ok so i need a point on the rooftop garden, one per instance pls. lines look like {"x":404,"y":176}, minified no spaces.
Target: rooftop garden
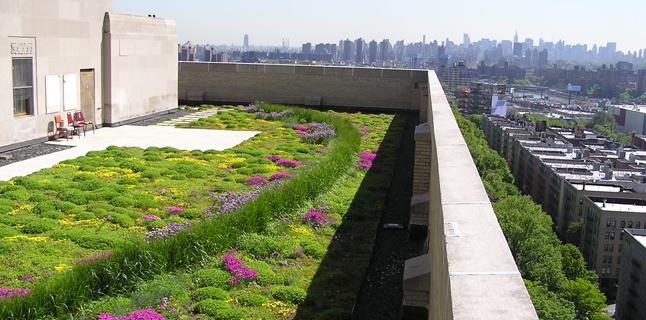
{"x":273,"y":228}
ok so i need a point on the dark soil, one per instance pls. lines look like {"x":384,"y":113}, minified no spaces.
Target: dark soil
{"x":381,"y":292}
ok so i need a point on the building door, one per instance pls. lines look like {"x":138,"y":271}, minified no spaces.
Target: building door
{"x":87,"y":94}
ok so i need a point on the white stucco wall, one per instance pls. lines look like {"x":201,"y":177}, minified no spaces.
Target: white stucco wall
{"x":141,"y":67}
{"x":65,"y":37}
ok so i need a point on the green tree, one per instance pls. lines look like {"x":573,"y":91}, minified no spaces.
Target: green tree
{"x":548,"y":305}
{"x":594,"y":91}
{"x":587,"y":298}
{"x":574,"y":265}
{"x":604,"y":119}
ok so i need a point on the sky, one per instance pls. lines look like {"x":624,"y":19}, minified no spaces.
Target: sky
{"x":268,"y":22}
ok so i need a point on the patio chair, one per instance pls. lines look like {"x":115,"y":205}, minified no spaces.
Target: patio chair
{"x":61,"y":128}
{"x":74,"y":126}
{"x":80,"y":119}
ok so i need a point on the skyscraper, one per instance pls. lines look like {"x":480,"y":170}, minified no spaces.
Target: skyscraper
{"x":359,"y":43}
{"x":516,"y":36}
{"x":384,"y":50}
{"x":372,"y":51}
{"x":347,"y":50}
{"x":245,"y":45}
{"x":466,"y":41}
{"x":307,"y":48}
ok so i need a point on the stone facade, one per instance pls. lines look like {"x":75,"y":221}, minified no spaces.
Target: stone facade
{"x":69,"y":61}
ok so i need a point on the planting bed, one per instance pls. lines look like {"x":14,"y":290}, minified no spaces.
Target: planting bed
{"x":128,"y":233}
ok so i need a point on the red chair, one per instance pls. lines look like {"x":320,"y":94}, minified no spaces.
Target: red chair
{"x":80,"y":119}
{"x":61,"y":128}
{"x":75,"y":126}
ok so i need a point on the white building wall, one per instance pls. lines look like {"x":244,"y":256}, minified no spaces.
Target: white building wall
{"x":64,"y":36}
{"x":141,"y":64}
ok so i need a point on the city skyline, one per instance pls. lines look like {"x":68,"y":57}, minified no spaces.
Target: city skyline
{"x":573,"y":22}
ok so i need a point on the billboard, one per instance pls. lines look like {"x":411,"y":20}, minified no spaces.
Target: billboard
{"x":573,"y":88}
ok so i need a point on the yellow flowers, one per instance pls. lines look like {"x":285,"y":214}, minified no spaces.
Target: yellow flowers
{"x":61,"y":267}
{"x":25,"y":207}
{"x":44,"y":181}
{"x":301,"y":230}
{"x":279,"y":308}
{"x":26,"y":238}
{"x":88,"y":222}
{"x":65,"y":165}
{"x":189,"y":159}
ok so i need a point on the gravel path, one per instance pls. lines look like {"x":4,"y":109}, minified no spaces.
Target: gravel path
{"x":381,"y":292}
{"x":31,"y":152}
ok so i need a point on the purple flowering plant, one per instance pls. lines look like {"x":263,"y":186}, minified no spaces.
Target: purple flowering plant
{"x":142,"y":314}
{"x":10,"y":293}
{"x":237,"y":268}
{"x":315,"y":217}
{"x":256,"y":181}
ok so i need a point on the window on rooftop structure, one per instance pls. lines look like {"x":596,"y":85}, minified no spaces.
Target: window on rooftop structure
{"x":630,"y":224}
{"x":614,"y":223}
{"x":607,"y":236}
{"x":621,"y":235}
{"x":608,"y":223}
{"x":612,"y":236}
{"x":23,"y":86}
{"x":637,"y":224}
{"x":623,"y":223}
{"x":605,"y":247}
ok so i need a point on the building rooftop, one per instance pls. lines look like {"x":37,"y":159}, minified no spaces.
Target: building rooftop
{"x":621,"y":207}
{"x":636,"y":108}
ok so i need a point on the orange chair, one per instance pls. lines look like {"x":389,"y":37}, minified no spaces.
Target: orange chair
{"x":75,"y":126}
{"x":61,"y":128}
{"x":80,"y":119}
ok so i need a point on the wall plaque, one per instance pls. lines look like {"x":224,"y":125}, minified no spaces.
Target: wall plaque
{"x":22,"y":49}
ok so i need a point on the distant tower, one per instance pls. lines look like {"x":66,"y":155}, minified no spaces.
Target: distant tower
{"x":245,"y":46}
{"x":466,"y":41}
{"x":424,"y":39}
{"x":516,"y":36}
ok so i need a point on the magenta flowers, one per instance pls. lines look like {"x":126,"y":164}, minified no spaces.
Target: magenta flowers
{"x":172,"y":210}
{"x":283,"y":162}
{"x":365,"y":159}
{"x":237,"y":269}
{"x":149,"y":217}
{"x":256,"y":181}
{"x":299,"y":127}
{"x":9,"y":293}
{"x":315,"y":217}
{"x":94,"y":257}
{"x":279,"y":176}
{"x":143,"y":314}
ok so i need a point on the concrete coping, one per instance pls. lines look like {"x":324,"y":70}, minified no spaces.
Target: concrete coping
{"x":423,"y":132}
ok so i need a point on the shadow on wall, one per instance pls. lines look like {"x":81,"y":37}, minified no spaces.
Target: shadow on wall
{"x":333,"y":293}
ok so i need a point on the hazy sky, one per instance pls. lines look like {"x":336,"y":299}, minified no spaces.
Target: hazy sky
{"x":268,"y":21}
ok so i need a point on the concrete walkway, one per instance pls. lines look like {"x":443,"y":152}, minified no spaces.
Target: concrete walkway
{"x":131,"y":136}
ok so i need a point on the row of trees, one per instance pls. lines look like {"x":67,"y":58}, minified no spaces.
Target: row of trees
{"x":556,"y":276}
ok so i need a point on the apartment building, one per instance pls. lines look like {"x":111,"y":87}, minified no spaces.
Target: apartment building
{"x":582,"y":180}
{"x":632,"y":278}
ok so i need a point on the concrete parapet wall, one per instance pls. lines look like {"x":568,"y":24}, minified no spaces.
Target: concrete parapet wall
{"x":294,"y":84}
{"x":474,"y":275}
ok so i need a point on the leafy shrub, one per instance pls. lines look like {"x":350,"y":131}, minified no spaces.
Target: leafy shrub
{"x":74,"y":196}
{"x":35,"y":225}
{"x":122,"y":201}
{"x":214,"y":293}
{"x":251,"y":299}
{"x":313,"y":248}
{"x":7,"y":231}
{"x":19,"y":194}
{"x":212,"y":277}
{"x":263,"y":246}
{"x":288,"y":294}
{"x":89,"y":239}
{"x":265,"y":274}
{"x":219,"y":310}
